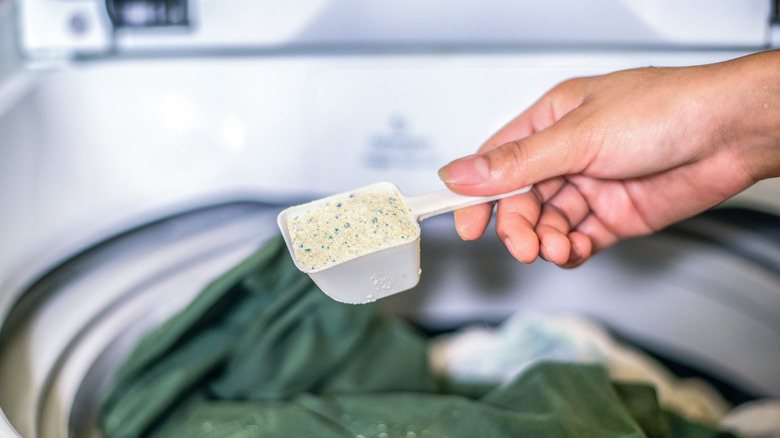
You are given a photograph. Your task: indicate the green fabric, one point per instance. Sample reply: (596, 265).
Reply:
(261, 352)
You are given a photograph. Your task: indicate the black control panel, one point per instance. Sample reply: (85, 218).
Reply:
(776, 12)
(148, 13)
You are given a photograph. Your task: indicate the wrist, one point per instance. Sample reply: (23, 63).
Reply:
(753, 123)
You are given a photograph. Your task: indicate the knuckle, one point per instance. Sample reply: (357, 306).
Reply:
(508, 158)
(570, 85)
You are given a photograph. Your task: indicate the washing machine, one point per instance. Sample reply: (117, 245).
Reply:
(147, 145)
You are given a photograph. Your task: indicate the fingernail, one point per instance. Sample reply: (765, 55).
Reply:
(461, 232)
(575, 255)
(508, 245)
(465, 171)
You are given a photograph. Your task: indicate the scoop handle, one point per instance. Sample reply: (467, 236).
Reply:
(443, 201)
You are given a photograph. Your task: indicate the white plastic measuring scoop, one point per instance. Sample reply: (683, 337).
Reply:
(391, 268)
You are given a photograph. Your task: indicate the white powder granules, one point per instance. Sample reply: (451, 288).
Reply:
(349, 227)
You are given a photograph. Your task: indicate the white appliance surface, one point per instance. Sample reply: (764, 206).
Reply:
(63, 29)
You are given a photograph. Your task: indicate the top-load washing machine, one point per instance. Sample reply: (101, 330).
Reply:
(147, 145)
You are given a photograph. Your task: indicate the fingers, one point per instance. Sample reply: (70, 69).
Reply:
(567, 250)
(553, 221)
(471, 222)
(531, 149)
(581, 250)
(539, 223)
(516, 219)
(559, 219)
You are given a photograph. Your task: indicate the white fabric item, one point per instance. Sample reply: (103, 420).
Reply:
(497, 355)
(754, 419)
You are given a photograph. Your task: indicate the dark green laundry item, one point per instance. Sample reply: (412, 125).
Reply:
(261, 352)
(549, 400)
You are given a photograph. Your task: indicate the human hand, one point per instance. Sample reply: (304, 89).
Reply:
(622, 155)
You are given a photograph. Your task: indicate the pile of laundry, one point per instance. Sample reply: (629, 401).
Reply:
(261, 352)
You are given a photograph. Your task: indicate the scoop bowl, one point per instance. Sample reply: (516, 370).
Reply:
(392, 265)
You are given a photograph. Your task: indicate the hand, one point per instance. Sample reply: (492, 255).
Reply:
(622, 155)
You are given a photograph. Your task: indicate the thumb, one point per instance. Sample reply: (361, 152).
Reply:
(516, 164)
